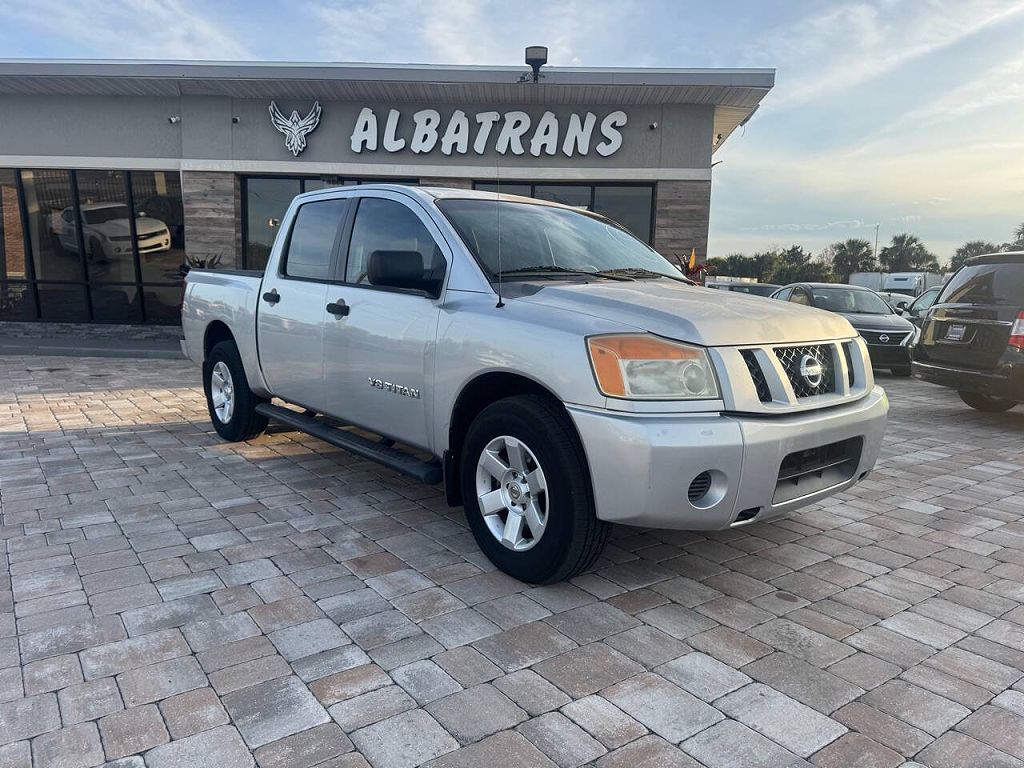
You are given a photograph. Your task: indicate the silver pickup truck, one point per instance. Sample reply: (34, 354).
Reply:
(556, 374)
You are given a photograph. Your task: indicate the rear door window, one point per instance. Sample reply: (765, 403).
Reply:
(991, 284)
(311, 243)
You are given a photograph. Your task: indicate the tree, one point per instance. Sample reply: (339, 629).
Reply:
(906, 253)
(849, 256)
(1018, 233)
(969, 251)
(795, 265)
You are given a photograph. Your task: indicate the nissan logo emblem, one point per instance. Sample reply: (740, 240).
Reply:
(884, 338)
(811, 370)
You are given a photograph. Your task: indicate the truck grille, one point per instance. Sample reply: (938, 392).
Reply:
(884, 338)
(764, 393)
(848, 353)
(792, 358)
(815, 469)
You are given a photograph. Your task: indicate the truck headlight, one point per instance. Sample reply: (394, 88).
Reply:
(644, 367)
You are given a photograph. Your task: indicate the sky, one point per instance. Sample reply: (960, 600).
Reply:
(908, 114)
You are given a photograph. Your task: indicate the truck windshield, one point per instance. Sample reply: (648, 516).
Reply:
(524, 239)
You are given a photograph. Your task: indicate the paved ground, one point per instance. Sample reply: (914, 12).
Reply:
(200, 604)
(90, 340)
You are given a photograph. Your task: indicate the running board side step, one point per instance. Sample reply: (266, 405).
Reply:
(425, 471)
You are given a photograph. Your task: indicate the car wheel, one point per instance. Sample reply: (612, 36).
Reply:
(527, 491)
(986, 403)
(900, 370)
(96, 252)
(231, 403)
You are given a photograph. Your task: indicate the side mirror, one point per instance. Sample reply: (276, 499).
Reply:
(405, 270)
(901, 306)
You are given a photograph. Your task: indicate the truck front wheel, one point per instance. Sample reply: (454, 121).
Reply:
(231, 403)
(527, 491)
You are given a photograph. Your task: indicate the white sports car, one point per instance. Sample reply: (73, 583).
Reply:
(106, 231)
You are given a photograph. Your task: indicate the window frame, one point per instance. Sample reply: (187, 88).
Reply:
(414, 207)
(282, 264)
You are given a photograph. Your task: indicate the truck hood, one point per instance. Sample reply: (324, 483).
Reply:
(694, 314)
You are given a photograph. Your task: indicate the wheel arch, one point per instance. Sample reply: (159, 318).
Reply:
(216, 332)
(478, 393)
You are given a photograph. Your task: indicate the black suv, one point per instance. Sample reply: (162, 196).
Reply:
(972, 339)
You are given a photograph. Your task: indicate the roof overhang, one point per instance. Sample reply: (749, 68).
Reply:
(734, 93)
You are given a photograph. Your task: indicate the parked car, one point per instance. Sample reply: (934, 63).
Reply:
(106, 231)
(552, 371)
(898, 301)
(888, 336)
(972, 338)
(753, 289)
(917, 310)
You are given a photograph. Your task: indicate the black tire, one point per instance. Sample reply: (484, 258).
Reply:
(900, 370)
(96, 252)
(573, 536)
(986, 403)
(244, 423)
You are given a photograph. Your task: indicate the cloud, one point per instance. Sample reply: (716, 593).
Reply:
(848, 44)
(467, 31)
(151, 29)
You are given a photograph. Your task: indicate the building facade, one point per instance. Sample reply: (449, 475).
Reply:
(117, 176)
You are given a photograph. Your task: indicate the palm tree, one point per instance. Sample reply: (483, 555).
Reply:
(970, 250)
(906, 253)
(850, 256)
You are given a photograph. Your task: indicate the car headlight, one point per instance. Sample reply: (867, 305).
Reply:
(644, 367)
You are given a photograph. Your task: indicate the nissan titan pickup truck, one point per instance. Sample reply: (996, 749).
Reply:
(555, 373)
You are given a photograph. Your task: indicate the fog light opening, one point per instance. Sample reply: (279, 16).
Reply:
(699, 487)
(707, 489)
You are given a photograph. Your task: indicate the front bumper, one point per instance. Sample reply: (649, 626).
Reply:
(884, 355)
(1005, 381)
(642, 466)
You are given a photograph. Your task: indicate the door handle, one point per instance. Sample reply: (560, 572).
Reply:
(339, 308)
(272, 297)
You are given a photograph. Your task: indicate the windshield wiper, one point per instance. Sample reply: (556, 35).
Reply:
(551, 269)
(634, 272)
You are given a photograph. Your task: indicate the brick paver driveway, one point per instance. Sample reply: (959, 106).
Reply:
(170, 600)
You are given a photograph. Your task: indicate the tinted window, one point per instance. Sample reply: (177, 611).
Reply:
(999, 284)
(312, 239)
(800, 297)
(784, 294)
(386, 225)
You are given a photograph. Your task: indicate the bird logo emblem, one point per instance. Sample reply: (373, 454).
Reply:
(294, 128)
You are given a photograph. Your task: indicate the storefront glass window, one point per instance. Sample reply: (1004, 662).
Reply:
(17, 297)
(160, 225)
(266, 202)
(630, 205)
(81, 246)
(54, 240)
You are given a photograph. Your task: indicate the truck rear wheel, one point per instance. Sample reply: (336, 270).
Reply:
(231, 403)
(527, 492)
(985, 402)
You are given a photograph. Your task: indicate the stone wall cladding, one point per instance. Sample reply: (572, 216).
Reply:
(213, 216)
(682, 213)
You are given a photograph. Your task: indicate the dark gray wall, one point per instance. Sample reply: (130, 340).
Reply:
(133, 127)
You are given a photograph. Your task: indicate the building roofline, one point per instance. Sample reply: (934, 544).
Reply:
(426, 73)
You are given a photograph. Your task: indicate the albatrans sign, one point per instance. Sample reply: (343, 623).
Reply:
(508, 132)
